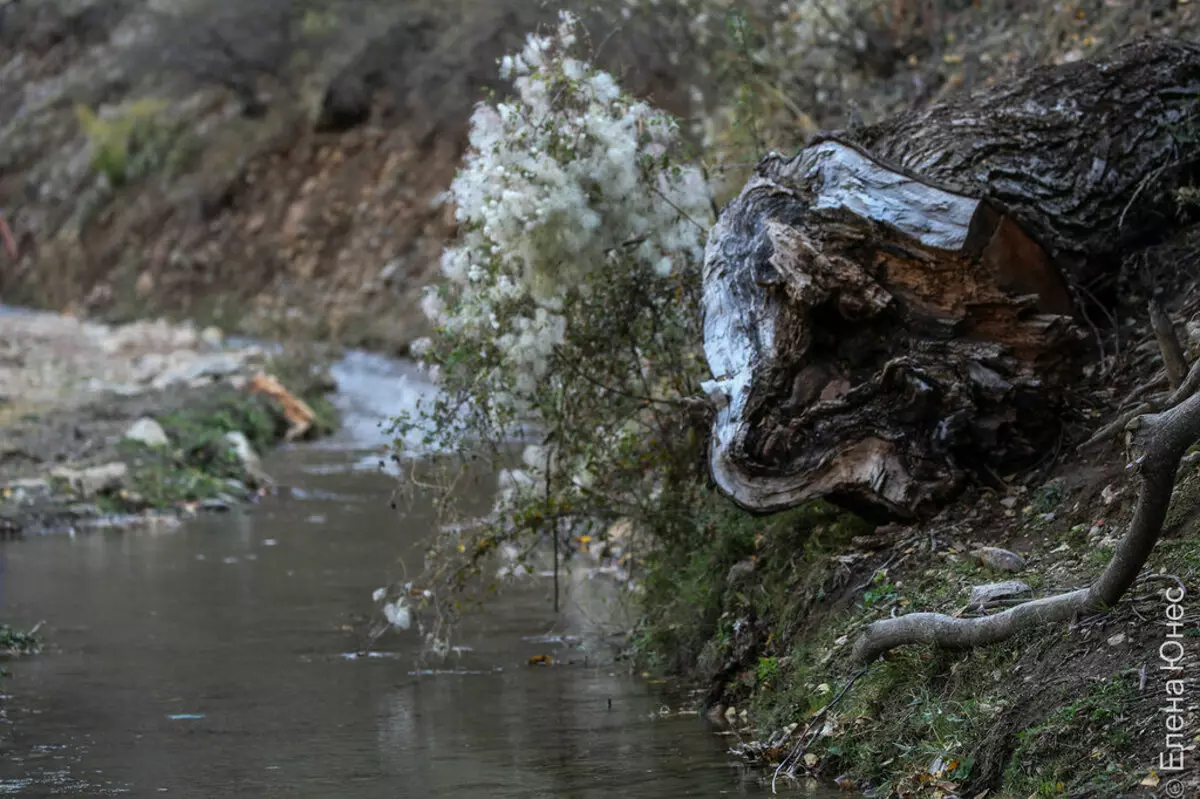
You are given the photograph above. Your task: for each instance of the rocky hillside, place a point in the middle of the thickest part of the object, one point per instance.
(273, 166)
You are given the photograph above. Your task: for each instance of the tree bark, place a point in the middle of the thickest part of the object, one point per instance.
(890, 313)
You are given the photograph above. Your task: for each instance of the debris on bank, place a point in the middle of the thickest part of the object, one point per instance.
(103, 424)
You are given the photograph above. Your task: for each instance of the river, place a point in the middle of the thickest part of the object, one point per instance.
(216, 657)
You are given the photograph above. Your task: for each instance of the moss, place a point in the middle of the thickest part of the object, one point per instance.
(195, 431)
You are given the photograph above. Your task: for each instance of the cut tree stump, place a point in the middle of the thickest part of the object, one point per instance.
(890, 315)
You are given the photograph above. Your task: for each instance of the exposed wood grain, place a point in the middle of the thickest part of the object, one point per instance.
(887, 315)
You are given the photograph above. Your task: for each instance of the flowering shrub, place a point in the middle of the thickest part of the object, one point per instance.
(569, 314)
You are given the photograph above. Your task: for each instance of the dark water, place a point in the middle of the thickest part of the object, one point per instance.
(211, 660)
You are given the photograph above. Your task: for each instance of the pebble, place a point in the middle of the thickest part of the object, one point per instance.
(244, 450)
(212, 336)
(148, 432)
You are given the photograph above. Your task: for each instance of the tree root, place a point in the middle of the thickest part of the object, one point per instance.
(1186, 389)
(1165, 436)
(1168, 344)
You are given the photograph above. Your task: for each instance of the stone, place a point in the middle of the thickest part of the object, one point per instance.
(149, 366)
(184, 337)
(212, 336)
(145, 284)
(193, 369)
(740, 572)
(89, 482)
(982, 594)
(244, 451)
(1117, 639)
(999, 559)
(28, 487)
(1009, 502)
(147, 432)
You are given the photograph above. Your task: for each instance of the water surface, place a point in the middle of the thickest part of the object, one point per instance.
(216, 658)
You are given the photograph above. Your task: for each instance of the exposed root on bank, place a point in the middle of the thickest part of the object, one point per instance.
(1181, 390)
(1165, 437)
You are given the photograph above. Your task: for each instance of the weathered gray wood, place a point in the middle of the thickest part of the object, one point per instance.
(887, 315)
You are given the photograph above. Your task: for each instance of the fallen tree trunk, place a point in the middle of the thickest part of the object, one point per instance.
(888, 314)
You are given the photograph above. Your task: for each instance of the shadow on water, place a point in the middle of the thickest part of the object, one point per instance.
(215, 659)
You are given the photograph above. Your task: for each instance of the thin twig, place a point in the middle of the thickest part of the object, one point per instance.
(805, 741)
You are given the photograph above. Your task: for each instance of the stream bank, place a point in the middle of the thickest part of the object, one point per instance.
(763, 613)
(122, 424)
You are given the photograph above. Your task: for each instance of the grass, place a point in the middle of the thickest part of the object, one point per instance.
(198, 464)
(1074, 748)
(691, 606)
(1048, 713)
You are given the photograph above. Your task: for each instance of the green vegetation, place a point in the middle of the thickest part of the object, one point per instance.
(1075, 746)
(694, 597)
(135, 142)
(763, 612)
(199, 464)
(14, 643)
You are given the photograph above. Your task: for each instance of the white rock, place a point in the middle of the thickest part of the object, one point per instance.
(244, 450)
(185, 337)
(95, 480)
(1117, 639)
(27, 486)
(192, 368)
(149, 367)
(147, 431)
(212, 336)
